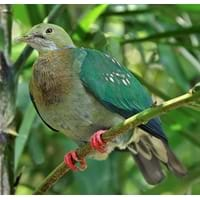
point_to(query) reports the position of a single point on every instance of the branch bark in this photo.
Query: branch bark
(7, 113)
(142, 117)
(7, 105)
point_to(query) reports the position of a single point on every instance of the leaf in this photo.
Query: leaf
(37, 154)
(1, 38)
(189, 7)
(34, 14)
(103, 185)
(24, 131)
(20, 13)
(170, 62)
(87, 20)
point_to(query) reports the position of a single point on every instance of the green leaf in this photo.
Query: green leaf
(24, 131)
(103, 185)
(37, 154)
(1, 38)
(34, 14)
(170, 62)
(87, 20)
(20, 13)
(189, 7)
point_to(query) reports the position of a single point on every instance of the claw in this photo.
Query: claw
(71, 158)
(97, 143)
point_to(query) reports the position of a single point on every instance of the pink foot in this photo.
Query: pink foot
(97, 143)
(71, 158)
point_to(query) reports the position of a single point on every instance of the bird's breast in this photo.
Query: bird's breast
(51, 80)
(62, 100)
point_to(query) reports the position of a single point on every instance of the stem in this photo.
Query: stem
(7, 105)
(6, 22)
(57, 9)
(128, 12)
(167, 34)
(120, 129)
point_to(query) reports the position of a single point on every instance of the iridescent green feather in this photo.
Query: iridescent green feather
(116, 87)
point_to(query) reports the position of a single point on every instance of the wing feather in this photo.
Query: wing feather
(117, 88)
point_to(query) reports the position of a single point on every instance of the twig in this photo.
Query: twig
(131, 122)
(28, 50)
(167, 34)
(57, 9)
(127, 12)
(6, 22)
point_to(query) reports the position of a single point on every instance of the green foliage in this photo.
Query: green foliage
(160, 44)
(23, 132)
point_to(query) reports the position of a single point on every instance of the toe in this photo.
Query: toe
(97, 142)
(70, 160)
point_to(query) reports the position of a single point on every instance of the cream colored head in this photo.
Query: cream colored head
(47, 37)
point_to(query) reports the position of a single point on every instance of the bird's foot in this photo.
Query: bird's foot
(97, 142)
(70, 160)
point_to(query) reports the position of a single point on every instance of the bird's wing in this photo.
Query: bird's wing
(116, 88)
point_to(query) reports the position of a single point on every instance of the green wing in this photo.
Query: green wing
(113, 83)
(116, 87)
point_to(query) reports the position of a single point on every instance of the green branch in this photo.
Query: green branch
(140, 118)
(167, 34)
(128, 12)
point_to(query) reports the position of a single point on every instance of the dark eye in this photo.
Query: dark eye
(49, 30)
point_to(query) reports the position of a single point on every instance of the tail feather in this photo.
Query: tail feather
(150, 169)
(148, 152)
(174, 164)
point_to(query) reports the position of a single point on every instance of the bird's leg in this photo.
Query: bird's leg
(97, 142)
(71, 158)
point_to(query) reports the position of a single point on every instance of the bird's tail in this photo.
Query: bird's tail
(149, 152)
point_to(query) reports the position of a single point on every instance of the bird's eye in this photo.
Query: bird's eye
(49, 30)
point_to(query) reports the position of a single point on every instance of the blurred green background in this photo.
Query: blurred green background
(161, 45)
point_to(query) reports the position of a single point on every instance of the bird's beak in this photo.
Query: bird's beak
(24, 38)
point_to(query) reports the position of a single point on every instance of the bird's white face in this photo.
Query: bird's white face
(40, 43)
(47, 37)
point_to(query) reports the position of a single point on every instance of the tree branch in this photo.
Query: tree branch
(162, 35)
(28, 50)
(6, 22)
(140, 118)
(7, 104)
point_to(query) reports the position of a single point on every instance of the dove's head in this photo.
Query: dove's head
(47, 37)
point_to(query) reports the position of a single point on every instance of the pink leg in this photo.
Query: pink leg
(71, 158)
(97, 143)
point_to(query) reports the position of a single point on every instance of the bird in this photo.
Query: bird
(82, 92)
